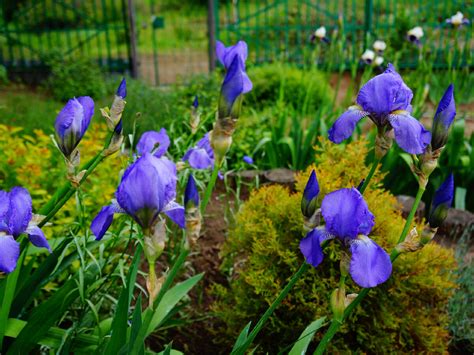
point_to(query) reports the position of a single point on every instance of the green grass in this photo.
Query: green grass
(29, 109)
(32, 109)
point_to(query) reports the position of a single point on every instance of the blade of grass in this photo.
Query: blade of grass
(120, 322)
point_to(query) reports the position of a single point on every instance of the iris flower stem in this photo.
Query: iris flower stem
(334, 327)
(210, 188)
(410, 217)
(67, 190)
(241, 350)
(366, 183)
(303, 268)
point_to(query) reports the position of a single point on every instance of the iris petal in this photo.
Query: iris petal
(410, 134)
(199, 159)
(201, 156)
(345, 125)
(19, 210)
(4, 206)
(38, 238)
(370, 264)
(141, 188)
(176, 213)
(102, 221)
(310, 246)
(151, 139)
(10, 251)
(346, 213)
(384, 93)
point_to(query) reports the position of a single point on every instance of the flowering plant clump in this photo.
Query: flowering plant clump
(332, 252)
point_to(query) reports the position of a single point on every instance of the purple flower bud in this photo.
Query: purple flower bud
(15, 219)
(195, 102)
(441, 203)
(72, 123)
(443, 119)
(122, 89)
(191, 194)
(236, 81)
(247, 160)
(385, 99)
(310, 195)
(201, 156)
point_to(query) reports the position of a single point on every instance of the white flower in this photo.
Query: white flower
(320, 32)
(379, 46)
(368, 56)
(458, 19)
(416, 33)
(378, 61)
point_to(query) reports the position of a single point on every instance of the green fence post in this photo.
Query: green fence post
(368, 21)
(211, 30)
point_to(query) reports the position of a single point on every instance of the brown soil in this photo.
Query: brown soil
(197, 337)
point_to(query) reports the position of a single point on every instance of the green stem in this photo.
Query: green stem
(144, 331)
(410, 217)
(8, 294)
(375, 163)
(334, 327)
(241, 350)
(63, 194)
(210, 187)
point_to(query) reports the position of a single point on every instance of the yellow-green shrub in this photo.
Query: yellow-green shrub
(34, 163)
(407, 313)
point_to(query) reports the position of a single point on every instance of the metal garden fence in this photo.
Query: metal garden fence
(31, 31)
(146, 39)
(281, 29)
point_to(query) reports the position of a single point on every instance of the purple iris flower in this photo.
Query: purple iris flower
(72, 123)
(310, 194)
(195, 102)
(191, 194)
(236, 81)
(248, 159)
(15, 219)
(443, 119)
(386, 100)
(148, 188)
(348, 219)
(201, 156)
(122, 89)
(442, 201)
(154, 142)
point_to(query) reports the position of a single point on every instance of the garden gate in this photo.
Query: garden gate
(31, 31)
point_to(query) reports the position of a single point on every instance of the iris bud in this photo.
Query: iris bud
(191, 195)
(338, 303)
(443, 119)
(441, 203)
(72, 122)
(195, 116)
(113, 115)
(310, 195)
(221, 138)
(192, 212)
(155, 241)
